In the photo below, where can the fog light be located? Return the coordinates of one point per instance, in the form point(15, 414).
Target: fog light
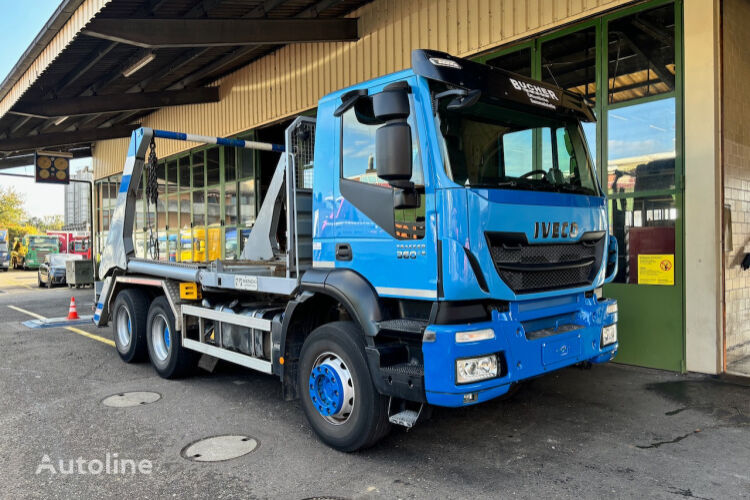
point(470, 397)
point(476, 335)
point(474, 369)
point(609, 335)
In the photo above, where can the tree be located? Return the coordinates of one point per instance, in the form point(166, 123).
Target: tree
point(19, 231)
point(47, 222)
point(11, 207)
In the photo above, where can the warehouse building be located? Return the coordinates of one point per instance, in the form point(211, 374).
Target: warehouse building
point(666, 78)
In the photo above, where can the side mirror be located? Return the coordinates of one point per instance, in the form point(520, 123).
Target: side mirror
point(393, 151)
point(392, 103)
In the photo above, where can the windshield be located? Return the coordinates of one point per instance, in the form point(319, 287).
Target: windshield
point(43, 241)
point(58, 260)
point(492, 147)
point(80, 245)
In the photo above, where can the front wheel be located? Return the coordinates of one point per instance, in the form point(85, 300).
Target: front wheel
point(338, 396)
point(169, 358)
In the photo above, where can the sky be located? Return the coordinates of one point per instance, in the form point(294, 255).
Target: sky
point(20, 22)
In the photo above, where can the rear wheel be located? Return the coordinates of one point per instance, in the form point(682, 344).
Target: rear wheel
point(129, 324)
point(338, 396)
point(165, 349)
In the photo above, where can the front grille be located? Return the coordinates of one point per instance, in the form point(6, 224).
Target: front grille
point(528, 268)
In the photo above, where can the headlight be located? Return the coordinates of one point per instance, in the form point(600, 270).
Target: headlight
point(474, 369)
point(476, 335)
point(612, 308)
point(609, 335)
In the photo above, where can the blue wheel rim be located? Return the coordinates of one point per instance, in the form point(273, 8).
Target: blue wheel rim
point(331, 388)
point(166, 336)
point(326, 390)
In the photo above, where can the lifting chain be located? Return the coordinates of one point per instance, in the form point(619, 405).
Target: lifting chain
point(152, 196)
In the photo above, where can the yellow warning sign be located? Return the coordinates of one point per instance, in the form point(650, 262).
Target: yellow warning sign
point(656, 269)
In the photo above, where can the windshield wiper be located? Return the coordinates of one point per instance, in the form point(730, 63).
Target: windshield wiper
point(496, 185)
point(575, 189)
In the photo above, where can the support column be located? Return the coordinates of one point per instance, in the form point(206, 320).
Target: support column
point(703, 282)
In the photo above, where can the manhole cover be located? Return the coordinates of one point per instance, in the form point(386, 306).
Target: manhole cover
point(127, 399)
point(219, 448)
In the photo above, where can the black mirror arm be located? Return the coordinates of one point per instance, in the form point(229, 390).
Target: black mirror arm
point(348, 100)
point(452, 92)
point(405, 195)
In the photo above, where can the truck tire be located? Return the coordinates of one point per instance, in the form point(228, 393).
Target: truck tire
point(165, 349)
point(129, 315)
point(338, 396)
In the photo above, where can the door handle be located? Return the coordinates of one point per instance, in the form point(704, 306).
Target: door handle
point(343, 251)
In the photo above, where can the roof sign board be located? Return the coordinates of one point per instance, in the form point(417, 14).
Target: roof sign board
point(51, 169)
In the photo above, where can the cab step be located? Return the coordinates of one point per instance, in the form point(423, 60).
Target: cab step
point(406, 418)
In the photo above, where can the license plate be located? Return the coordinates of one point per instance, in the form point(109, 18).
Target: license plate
point(609, 335)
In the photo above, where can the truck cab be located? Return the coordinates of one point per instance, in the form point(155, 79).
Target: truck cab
point(4, 254)
point(467, 195)
point(34, 249)
point(80, 245)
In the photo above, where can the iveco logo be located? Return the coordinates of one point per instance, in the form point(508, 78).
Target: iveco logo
point(555, 230)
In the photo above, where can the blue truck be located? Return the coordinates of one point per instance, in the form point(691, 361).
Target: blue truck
point(433, 237)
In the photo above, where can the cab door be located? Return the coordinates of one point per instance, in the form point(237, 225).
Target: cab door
point(392, 244)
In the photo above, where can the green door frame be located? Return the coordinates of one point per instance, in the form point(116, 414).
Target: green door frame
point(630, 293)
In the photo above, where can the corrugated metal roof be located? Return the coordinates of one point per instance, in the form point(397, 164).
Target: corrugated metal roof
point(67, 71)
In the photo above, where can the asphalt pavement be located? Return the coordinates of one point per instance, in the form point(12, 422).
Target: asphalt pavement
point(611, 431)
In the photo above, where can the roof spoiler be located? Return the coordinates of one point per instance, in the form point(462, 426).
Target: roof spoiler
point(514, 89)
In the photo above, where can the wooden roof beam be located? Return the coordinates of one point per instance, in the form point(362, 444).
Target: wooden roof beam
point(65, 138)
point(88, 105)
point(154, 33)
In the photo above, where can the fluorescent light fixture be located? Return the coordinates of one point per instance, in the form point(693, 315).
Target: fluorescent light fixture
point(60, 120)
point(140, 63)
point(57, 154)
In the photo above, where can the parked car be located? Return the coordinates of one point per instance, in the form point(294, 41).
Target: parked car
point(52, 270)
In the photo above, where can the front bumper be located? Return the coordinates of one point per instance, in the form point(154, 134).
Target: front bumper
point(531, 339)
point(5, 264)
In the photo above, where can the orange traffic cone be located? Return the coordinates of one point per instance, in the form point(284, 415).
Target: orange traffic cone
point(72, 312)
